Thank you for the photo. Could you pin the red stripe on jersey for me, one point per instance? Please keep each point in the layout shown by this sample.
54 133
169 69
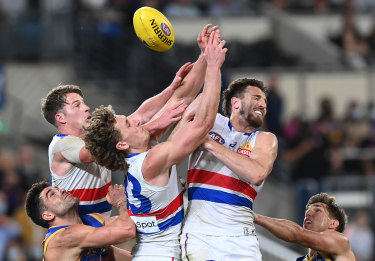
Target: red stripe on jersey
216 179
91 194
165 212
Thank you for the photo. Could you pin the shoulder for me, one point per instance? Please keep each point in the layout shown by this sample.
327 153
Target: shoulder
267 136
69 141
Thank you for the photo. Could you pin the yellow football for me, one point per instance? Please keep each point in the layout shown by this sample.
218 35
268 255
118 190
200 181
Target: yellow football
153 29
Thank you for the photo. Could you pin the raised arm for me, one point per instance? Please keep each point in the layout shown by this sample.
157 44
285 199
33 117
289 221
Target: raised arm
330 242
193 82
116 229
153 105
253 169
189 133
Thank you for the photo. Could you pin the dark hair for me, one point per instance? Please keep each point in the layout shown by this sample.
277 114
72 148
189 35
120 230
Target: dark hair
34 204
334 209
237 89
55 100
101 138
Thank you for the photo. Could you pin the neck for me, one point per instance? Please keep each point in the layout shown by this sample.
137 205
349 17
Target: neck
240 125
70 218
70 131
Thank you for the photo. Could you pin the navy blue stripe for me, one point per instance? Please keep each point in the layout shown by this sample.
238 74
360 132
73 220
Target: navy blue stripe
246 133
94 208
177 219
53 230
132 155
91 221
61 135
218 197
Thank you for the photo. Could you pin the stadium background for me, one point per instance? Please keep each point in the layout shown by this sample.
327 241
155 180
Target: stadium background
316 55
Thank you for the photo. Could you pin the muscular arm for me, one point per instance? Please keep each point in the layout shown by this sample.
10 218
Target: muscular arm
330 242
68 151
75 238
189 133
254 169
193 82
151 106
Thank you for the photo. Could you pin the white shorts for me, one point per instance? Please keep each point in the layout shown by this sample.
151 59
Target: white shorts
155 258
200 247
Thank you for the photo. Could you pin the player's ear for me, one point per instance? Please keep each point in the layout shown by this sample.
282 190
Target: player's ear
334 223
122 145
48 216
236 102
60 117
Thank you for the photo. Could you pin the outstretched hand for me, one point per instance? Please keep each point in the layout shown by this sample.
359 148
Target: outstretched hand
171 115
215 51
204 36
116 196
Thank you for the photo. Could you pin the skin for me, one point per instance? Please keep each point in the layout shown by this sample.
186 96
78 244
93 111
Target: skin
62 209
318 232
156 114
189 133
76 114
247 114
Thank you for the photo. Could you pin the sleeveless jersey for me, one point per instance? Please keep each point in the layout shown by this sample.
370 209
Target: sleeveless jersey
156 211
220 202
89 254
316 257
87 181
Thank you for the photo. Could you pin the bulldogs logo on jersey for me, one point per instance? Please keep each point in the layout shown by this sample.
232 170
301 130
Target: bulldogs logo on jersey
216 137
245 149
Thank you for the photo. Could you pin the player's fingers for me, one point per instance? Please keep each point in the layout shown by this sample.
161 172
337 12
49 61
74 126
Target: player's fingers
216 27
205 29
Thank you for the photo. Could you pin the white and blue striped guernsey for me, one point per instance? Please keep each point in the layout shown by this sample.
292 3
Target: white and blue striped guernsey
220 202
156 211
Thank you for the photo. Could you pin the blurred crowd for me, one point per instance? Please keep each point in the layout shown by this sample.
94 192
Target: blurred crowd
328 153
329 150
20 239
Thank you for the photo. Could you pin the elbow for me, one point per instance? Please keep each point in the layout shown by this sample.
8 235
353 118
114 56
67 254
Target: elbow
258 179
129 231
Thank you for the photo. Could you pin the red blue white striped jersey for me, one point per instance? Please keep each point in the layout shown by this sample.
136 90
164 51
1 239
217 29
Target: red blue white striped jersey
87 181
156 211
220 202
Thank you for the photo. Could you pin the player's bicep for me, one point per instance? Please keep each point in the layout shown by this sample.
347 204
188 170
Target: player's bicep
327 241
70 147
87 236
265 150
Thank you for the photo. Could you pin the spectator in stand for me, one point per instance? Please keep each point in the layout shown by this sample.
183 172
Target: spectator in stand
10 181
361 237
26 167
274 106
9 229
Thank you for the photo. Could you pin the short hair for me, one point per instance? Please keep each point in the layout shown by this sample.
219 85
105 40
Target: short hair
334 209
101 138
34 204
237 89
55 101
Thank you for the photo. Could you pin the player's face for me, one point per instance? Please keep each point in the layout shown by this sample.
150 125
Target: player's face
132 132
58 201
253 106
317 218
76 112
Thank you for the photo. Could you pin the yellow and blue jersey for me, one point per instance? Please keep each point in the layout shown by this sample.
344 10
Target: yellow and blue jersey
316 257
89 254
